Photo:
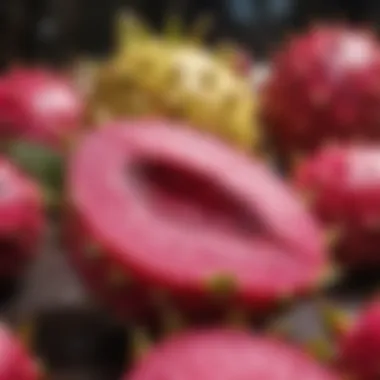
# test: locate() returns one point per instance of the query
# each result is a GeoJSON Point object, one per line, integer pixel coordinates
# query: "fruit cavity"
{"type": "Point", "coordinates": [185, 221]}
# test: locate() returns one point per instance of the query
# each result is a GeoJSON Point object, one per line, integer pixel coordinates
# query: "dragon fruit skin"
{"type": "Point", "coordinates": [324, 87]}
{"type": "Point", "coordinates": [106, 259]}
{"type": "Point", "coordinates": [39, 106]}
{"type": "Point", "coordinates": [15, 363]}
{"type": "Point", "coordinates": [41, 115]}
{"type": "Point", "coordinates": [22, 220]}
{"type": "Point", "coordinates": [342, 186]}
{"type": "Point", "coordinates": [359, 348]}
{"type": "Point", "coordinates": [226, 354]}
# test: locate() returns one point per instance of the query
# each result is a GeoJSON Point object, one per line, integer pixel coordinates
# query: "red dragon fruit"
{"type": "Point", "coordinates": [165, 214]}
{"type": "Point", "coordinates": [342, 186]}
{"type": "Point", "coordinates": [40, 106]}
{"type": "Point", "coordinates": [21, 220]}
{"type": "Point", "coordinates": [324, 86]}
{"type": "Point", "coordinates": [359, 348]}
{"type": "Point", "coordinates": [226, 354]}
{"type": "Point", "coordinates": [15, 362]}
{"type": "Point", "coordinates": [40, 111]}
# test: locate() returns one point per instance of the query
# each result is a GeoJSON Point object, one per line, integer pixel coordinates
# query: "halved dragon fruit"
{"type": "Point", "coordinates": [324, 87]}
{"type": "Point", "coordinates": [22, 220]}
{"type": "Point", "coordinates": [40, 111]}
{"type": "Point", "coordinates": [15, 363]}
{"type": "Point", "coordinates": [169, 216]}
{"type": "Point", "coordinates": [226, 354]}
{"type": "Point", "coordinates": [342, 186]}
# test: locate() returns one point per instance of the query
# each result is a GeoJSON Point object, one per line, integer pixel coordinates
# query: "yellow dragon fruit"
{"type": "Point", "coordinates": [174, 76]}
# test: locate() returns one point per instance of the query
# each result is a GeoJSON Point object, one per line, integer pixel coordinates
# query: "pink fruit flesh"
{"type": "Point", "coordinates": [225, 355]}
{"type": "Point", "coordinates": [21, 219]}
{"type": "Point", "coordinates": [345, 186]}
{"type": "Point", "coordinates": [360, 349]}
{"type": "Point", "coordinates": [325, 86]}
{"type": "Point", "coordinates": [40, 106]}
{"type": "Point", "coordinates": [15, 363]}
{"type": "Point", "coordinates": [177, 210]}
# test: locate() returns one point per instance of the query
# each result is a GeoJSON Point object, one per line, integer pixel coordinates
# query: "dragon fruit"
{"type": "Point", "coordinates": [176, 78]}
{"type": "Point", "coordinates": [40, 106]}
{"type": "Point", "coordinates": [359, 348]}
{"type": "Point", "coordinates": [324, 87]}
{"type": "Point", "coordinates": [226, 354]}
{"type": "Point", "coordinates": [15, 363]}
{"type": "Point", "coordinates": [342, 186]}
{"type": "Point", "coordinates": [160, 213]}
{"type": "Point", "coordinates": [40, 112]}
{"type": "Point", "coordinates": [21, 220]}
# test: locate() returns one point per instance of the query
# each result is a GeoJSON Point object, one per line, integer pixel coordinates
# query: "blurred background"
{"type": "Point", "coordinates": [58, 31]}
{"type": "Point", "coordinates": [55, 30]}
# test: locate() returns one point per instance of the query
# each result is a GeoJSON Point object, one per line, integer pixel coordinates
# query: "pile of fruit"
{"type": "Point", "coordinates": [171, 214]}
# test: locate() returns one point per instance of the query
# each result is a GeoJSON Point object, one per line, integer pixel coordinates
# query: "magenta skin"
{"type": "Point", "coordinates": [342, 186]}
{"type": "Point", "coordinates": [40, 106]}
{"type": "Point", "coordinates": [324, 86]}
{"type": "Point", "coordinates": [225, 354]}
{"type": "Point", "coordinates": [359, 349]}
{"type": "Point", "coordinates": [15, 362]}
{"type": "Point", "coordinates": [22, 219]}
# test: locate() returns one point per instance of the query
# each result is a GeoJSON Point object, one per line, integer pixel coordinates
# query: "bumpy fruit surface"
{"type": "Point", "coordinates": [359, 350]}
{"type": "Point", "coordinates": [40, 106]}
{"type": "Point", "coordinates": [324, 86]}
{"type": "Point", "coordinates": [226, 354]}
{"type": "Point", "coordinates": [342, 186]}
{"type": "Point", "coordinates": [15, 363]}
{"type": "Point", "coordinates": [21, 219]}
{"type": "Point", "coordinates": [178, 79]}
{"type": "Point", "coordinates": [162, 213]}
{"type": "Point", "coordinates": [40, 112]}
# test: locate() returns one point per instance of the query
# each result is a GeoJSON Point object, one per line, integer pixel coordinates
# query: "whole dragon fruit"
{"type": "Point", "coordinates": [161, 214]}
{"type": "Point", "coordinates": [15, 363]}
{"type": "Point", "coordinates": [21, 220]}
{"type": "Point", "coordinates": [40, 106]}
{"type": "Point", "coordinates": [324, 86]}
{"type": "Point", "coordinates": [40, 112]}
{"type": "Point", "coordinates": [359, 347]}
{"type": "Point", "coordinates": [342, 186]}
{"type": "Point", "coordinates": [226, 354]}
{"type": "Point", "coordinates": [176, 78]}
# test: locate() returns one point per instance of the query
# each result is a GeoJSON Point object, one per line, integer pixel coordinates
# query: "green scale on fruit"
{"type": "Point", "coordinates": [42, 163]}
{"type": "Point", "coordinates": [41, 111]}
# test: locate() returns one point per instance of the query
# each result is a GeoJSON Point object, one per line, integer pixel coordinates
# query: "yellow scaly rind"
{"type": "Point", "coordinates": [176, 78]}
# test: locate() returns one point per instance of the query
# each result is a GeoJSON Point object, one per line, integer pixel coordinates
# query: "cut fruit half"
{"type": "Point", "coordinates": [169, 211]}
